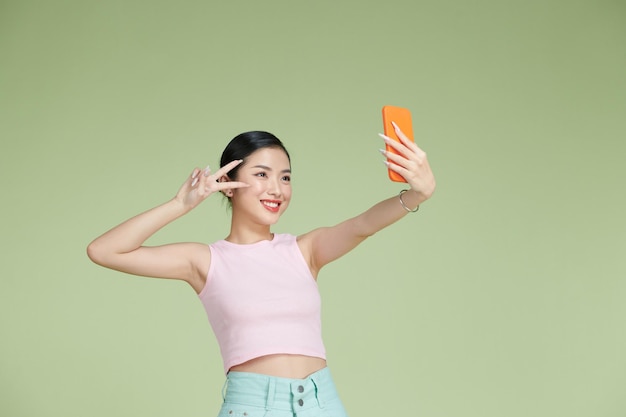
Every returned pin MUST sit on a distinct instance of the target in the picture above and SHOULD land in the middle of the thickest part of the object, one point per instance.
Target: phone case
(402, 117)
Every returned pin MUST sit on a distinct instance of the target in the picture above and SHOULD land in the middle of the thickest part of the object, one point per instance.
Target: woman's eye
(287, 178)
(261, 174)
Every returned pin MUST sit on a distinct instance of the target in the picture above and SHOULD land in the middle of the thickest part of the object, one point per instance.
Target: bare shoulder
(305, 241)
(326, 244)
(187, 261)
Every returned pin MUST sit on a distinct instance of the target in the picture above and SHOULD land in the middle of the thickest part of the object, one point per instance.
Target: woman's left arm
(326, 244)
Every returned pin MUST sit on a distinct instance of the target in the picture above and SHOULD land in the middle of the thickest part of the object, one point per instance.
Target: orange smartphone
(402, 117)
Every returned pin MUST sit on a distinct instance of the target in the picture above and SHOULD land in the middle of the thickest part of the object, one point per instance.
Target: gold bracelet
(404, 205)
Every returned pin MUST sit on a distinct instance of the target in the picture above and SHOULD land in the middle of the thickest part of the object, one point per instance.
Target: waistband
(280, 393)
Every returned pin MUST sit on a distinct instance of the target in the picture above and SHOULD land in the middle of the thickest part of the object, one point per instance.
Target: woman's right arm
(121, 247)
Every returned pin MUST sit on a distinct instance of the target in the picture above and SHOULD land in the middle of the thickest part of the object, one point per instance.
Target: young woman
(259, 288)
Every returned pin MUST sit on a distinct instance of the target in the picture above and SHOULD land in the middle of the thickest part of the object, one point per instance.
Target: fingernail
(395, 125)
(386, 162)
(207, 170)
(194, 182)
(384, 152)
(384, 137)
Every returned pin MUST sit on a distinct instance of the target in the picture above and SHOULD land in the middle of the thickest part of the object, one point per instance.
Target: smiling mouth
(272, 206)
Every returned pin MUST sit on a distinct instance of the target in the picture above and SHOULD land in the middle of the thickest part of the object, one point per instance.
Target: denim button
(300, 389)
(300, 402)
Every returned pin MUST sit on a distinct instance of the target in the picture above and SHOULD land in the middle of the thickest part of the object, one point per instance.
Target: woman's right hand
(201, 184)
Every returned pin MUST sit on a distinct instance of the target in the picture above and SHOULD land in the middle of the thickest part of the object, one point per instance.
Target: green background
(504, 296)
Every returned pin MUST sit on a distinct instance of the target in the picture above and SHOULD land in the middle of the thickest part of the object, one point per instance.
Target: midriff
(283, 366)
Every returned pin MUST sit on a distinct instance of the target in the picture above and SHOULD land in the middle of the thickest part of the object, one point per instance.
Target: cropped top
(262, 299)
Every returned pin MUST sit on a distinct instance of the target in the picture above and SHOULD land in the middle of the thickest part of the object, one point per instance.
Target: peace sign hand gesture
(411, 163)
(201, 184)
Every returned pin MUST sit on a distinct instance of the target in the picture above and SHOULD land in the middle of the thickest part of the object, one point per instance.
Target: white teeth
(270, 204)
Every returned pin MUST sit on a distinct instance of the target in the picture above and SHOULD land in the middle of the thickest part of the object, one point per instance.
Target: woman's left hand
(411, 163)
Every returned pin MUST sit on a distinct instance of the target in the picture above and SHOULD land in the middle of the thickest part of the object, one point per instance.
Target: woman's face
(268, 172)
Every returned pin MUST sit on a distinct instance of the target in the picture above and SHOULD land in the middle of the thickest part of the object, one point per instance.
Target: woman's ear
(228, 192)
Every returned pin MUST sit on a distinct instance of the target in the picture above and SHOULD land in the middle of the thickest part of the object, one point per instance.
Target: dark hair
(244, 144)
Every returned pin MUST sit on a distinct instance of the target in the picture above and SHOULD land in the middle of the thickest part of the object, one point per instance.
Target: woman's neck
(245, 236)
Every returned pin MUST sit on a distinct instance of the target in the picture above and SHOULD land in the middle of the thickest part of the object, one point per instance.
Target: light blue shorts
(257, 395)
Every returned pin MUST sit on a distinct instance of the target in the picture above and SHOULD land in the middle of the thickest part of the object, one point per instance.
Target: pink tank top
(261, 299)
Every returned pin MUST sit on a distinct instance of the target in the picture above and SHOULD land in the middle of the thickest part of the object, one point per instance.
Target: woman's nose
(273, 188)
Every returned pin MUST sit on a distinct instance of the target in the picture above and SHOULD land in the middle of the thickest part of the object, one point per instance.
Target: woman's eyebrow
(288, 170)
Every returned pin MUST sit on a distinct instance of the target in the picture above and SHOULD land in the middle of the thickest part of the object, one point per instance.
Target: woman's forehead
(274, 158)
